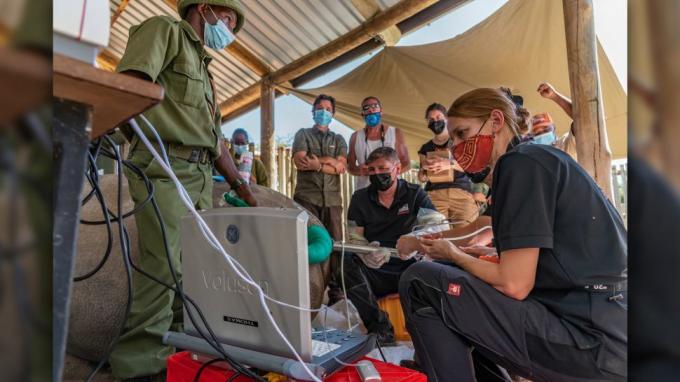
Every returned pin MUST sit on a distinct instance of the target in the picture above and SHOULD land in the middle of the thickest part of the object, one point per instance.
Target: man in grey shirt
(320, 157)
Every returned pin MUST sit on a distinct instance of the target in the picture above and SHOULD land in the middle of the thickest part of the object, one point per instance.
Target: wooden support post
(592, 144)
(281, 169)
(290, 171)
(267, 154)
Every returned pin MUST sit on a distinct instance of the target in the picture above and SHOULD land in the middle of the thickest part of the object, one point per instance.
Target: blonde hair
(479, 103)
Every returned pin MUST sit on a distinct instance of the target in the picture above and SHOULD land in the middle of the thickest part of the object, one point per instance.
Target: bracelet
(236, 183)
(320, 167)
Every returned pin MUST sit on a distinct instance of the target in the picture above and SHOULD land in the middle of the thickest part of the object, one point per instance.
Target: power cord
(126, 245)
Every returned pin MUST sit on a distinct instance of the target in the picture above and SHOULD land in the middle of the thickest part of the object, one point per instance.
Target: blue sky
(291, 113)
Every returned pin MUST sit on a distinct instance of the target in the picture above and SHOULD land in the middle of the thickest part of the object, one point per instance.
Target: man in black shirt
(379, 215)
(554, 307)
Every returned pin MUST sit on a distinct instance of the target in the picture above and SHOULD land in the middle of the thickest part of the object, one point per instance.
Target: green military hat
(235, 5)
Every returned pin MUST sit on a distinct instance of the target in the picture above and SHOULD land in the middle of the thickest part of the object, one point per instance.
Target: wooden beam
(370, 8)
(247, 58)
(267, 154)
(240, 53)
(592, 144)
(349, 41)
(119, 11)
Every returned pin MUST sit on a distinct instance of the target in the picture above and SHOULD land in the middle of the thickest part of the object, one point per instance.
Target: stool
(392, 306)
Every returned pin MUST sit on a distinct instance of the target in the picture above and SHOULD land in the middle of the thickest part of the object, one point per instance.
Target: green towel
(319, 244)
(234, 201)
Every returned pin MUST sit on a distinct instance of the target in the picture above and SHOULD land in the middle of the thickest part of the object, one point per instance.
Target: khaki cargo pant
(455, 204)
(155, 309)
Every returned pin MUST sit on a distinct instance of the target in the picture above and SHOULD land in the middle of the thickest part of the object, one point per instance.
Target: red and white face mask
(474, 153)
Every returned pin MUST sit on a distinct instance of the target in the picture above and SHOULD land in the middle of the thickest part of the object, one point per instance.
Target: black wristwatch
(238, 182)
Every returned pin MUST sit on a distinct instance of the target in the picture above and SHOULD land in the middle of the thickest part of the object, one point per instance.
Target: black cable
(213, 341)
(240, 369)
(92, 159)
(184, 299)
(109, 241)
(233, 377)
(380, 350)
(126, 257)
(197, 377)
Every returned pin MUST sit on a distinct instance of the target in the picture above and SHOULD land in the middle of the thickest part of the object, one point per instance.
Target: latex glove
(355, 238)
(377, 258)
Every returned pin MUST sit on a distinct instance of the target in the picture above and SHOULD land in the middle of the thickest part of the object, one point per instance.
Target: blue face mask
(322, 117)
(217, 36)
(240, 149)
(372, 119)
(545, 138)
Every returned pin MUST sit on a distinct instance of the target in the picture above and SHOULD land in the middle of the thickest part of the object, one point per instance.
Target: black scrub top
(387, 225)
(542, 198)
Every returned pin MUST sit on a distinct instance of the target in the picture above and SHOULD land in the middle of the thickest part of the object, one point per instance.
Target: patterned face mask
(474, 153)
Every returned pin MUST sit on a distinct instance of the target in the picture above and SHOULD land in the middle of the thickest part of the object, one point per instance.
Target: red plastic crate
(181, 368)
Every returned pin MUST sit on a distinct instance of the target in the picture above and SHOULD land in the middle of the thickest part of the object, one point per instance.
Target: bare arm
(225, 166)
(422, 173)
(548, 91)
(333, 166)
(565, 104)
(514, 276)
(352, 166)
(402, 151)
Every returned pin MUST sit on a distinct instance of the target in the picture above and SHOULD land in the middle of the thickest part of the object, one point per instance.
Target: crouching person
(554, 307)
(380, 213)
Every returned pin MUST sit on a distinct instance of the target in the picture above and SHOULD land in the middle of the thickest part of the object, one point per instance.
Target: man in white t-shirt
(374, 135)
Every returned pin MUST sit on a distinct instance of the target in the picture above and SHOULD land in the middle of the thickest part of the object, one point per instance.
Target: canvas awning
(519, 46)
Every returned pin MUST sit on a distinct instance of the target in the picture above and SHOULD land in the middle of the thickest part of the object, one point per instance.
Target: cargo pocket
(188, 86)
(576, 356)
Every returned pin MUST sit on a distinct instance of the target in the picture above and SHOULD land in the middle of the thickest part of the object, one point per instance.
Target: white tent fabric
(519, 46)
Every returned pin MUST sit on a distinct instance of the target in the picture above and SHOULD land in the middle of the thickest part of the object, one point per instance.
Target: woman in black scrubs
(554, 307)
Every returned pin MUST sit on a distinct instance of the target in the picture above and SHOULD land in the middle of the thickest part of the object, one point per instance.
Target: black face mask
(381, 181)
(436, 126)
(478, 177)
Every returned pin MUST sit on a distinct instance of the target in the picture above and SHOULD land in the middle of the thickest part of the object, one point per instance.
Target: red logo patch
(454, 289)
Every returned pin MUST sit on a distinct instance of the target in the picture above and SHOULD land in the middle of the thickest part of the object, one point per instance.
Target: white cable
(468, 235)
(213, 241)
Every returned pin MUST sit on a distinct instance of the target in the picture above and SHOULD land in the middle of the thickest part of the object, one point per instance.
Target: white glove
(355, 238)
(377, 258)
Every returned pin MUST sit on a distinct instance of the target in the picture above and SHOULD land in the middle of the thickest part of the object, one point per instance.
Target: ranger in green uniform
(172, 54)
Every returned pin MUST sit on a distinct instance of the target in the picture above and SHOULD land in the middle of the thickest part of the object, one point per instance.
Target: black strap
(382, 140)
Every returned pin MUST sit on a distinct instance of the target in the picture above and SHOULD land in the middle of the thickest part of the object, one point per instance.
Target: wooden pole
(267, 154)
(335, 48)
(592, 144)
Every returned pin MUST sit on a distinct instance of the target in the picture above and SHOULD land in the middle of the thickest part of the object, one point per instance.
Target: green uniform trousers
(156, 309)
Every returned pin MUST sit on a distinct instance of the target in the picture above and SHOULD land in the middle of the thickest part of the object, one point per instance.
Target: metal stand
(71, 137)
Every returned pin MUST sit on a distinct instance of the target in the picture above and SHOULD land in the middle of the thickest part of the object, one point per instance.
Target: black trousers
(366, 285)
(450, 312)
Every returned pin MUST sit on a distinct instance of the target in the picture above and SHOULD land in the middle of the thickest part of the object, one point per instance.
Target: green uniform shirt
(172, 55)
(316, 187)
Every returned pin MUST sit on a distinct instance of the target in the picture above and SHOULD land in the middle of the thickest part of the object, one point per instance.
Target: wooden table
(88, 103)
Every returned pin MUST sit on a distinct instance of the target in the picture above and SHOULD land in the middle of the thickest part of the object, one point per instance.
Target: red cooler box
(181, 368)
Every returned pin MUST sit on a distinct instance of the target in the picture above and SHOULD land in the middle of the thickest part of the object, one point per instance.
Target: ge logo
(232, 234)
